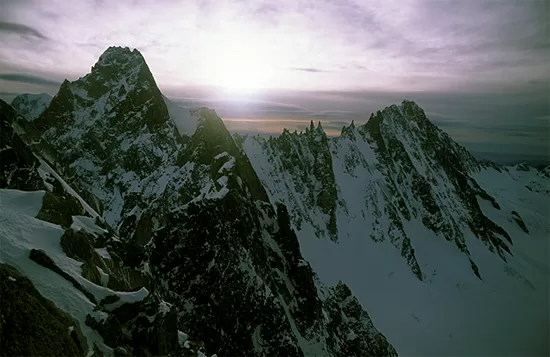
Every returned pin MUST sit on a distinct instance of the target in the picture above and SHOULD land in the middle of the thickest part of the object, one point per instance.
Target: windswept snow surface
(19, 233)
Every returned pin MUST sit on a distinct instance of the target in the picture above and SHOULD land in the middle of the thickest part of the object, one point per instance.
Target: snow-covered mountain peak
(405, 128)
(117, 55)
(411, 107)
(407, 115)
(349, 131)
(111, 128)
(31, 105)
(119, 70)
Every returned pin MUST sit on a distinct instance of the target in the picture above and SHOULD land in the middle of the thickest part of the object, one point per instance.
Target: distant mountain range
(143, 228)
(31, 105)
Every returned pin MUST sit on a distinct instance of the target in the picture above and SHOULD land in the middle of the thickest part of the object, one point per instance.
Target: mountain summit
(111, 128)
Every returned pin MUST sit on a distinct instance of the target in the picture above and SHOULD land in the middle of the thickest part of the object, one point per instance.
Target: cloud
(28, 79)
(20, 29)
(311, 70)
(355, 43)
(332, 114)
(264, 109)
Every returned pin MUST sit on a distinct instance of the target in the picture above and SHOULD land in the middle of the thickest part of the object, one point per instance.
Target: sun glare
(240, 67)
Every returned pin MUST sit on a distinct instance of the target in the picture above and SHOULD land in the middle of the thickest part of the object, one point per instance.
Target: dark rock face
(31, 325)
(140, 329)
(81, 245)
(355, 325)
(517, 218)
(211, 139)
(244, 292)
(17, 163)
(59, 209)
(205, 256)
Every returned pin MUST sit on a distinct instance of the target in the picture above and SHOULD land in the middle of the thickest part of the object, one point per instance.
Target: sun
(241, 67)
(241, 73)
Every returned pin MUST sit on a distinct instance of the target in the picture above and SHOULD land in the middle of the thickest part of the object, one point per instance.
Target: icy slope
(31, 105)
(424, 237)
(182, 117)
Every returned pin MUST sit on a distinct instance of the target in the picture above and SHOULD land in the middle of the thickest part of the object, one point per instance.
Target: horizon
(479, 71)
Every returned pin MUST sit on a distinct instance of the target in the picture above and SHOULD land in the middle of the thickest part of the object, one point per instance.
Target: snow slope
(19, 233)
(453, 312)
(184, 120)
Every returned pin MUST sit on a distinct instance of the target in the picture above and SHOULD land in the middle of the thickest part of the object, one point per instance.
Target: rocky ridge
(404, 167)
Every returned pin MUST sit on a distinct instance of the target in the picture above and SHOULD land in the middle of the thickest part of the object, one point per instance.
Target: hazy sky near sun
(480, 67)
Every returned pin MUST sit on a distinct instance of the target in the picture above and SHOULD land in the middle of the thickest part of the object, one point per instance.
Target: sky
(479, 68)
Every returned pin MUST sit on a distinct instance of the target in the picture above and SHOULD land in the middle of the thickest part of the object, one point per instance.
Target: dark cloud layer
(20, 29)
(311, 70)
(28, 79)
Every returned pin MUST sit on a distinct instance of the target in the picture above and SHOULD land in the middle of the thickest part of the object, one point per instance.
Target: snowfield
(452, 313)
